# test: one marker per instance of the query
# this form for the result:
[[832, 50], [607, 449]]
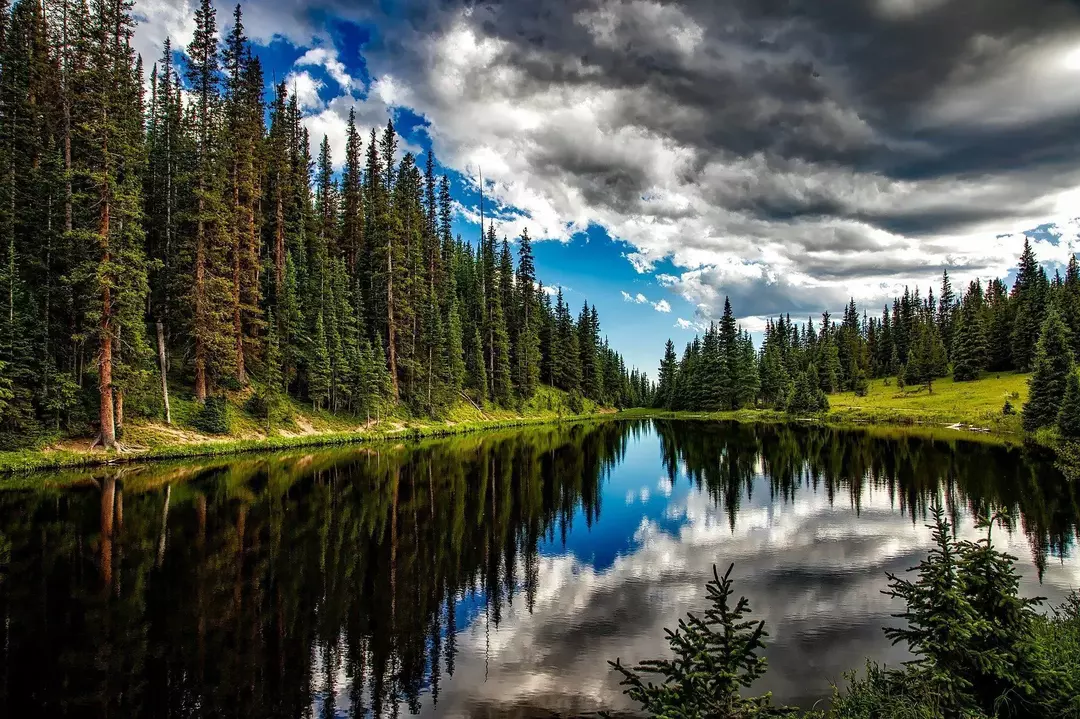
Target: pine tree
[[969, 345], [716, 656], [1052, 365], [1068, 419], [946, 311], [566, 357], [747, 381], [527, 375], [319, 363], [665, 389], [1070, 303], [475, 372], [243, 225], [210, 330], [273, 380], [1029, 296]]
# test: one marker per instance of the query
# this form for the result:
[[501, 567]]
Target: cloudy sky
[[790, 155]]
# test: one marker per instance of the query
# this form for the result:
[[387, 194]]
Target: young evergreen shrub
[[972, 635], [213, 418], [716, 655], [576, 402], [862, 385], [1007, 409], [230, 383]]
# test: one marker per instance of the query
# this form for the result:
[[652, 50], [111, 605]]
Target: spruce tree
[[1052, 365], [716, 656], [665, 388], [1029, 296], [528, 314], [1068, 419], [1070, 303], [969, 343]]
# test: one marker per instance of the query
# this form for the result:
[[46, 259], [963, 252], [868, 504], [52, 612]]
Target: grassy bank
[[300, 426], [973, 408]]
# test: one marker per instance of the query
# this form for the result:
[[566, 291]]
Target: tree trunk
[[391, 336], [238, 329], [105, 360], [200, 301], [279, 243], [164, 377], [68, 195], [119, 410]]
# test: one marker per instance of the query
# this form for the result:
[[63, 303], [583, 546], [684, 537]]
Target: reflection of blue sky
[[812, 568], [631, 494]]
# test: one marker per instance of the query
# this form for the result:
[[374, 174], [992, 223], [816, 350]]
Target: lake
[[487, 575]]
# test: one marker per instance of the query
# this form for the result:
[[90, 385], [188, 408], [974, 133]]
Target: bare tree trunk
[[200, 300], [164, 378], [66, 92], [119, 410], [391, 335], [279, 242], [238, 328], [105, 360]]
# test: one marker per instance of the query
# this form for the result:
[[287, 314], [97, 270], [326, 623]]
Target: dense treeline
[[1034, 326], [179, 217]]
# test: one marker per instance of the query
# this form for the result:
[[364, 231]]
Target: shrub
[[213, 418], [577, 402], [972, 634], [715, 656], [230, 383], [1007, 409], [980, 650]]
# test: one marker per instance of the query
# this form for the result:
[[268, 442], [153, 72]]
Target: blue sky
[[670, 154]]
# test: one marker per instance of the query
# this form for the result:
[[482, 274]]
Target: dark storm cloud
[[828, 142]]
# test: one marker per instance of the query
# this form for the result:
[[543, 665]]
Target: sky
[[787, 155]]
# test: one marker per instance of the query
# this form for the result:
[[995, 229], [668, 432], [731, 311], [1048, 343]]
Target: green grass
[[978, 403], [975, 404], [300, 426]]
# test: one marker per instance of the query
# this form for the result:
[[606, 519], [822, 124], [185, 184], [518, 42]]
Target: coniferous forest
[[1034, 326], [178, 215]]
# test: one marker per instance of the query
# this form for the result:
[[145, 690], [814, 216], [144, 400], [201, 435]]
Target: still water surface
[[488, 575]]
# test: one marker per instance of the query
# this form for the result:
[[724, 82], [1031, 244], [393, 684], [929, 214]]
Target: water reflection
[[478, 576]]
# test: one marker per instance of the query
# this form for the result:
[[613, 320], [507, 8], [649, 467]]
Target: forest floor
[[299, 426], [970, 407]]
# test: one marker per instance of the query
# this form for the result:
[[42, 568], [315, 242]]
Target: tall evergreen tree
[[1051, 368], [1029, 296]]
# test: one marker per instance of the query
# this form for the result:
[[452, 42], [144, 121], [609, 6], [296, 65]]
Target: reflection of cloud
[[812, 570]]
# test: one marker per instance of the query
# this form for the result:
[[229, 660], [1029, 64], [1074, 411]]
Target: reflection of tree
[[281, 586], [722, 459]]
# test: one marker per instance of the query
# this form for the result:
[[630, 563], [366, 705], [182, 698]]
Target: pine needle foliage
[[716, 655]]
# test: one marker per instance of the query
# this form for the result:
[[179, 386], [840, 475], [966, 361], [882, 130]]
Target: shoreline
[[907, 422], [959, 422], [28, 461]]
